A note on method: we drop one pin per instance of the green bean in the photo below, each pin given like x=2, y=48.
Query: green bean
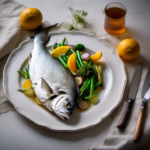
x=62, y=61
x=67, y=57
x=58, y=45
x=96, y=75
x=53, y=47
x=24, y=74
x=79, y=58
x=83, y=95
x=64, y=58
x=90, y=62
x=78, y=64
x=72, y=51
x=63, y=42
x=91, y=88
x=100, y=70
x=84, y=85
x=97, y=84
x=27, y=70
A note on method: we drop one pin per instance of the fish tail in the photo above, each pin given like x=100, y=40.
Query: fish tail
x=41, y=35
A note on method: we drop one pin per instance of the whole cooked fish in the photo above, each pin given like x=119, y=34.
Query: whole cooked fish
x=54, y=85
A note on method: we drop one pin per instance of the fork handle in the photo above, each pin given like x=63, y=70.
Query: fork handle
x=138, y=128
x=125, y=114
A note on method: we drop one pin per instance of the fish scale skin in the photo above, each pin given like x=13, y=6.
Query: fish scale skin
x=49, y=68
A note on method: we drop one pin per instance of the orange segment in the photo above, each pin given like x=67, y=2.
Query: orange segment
x=71, y=63
x=59, y=51
x=27, y=84
x=97, y=56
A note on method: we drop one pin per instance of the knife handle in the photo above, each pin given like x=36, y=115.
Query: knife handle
x=138, y=128
x=125, y=114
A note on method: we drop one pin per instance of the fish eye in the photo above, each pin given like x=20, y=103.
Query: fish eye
x=68, y=105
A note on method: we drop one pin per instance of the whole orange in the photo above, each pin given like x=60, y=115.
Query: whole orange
x=128, y=49
x=31, y=18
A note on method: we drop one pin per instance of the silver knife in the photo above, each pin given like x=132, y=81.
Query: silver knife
x=145, y=89
x=146, y=83
x=131, y=97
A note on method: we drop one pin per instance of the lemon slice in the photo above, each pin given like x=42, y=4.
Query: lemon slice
x=27, y=84
x=59, y=51
x=29, y=92
x=27, y=88
x=97, y=56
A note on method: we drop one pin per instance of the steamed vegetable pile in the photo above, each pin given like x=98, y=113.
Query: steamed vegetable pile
x=82, y=65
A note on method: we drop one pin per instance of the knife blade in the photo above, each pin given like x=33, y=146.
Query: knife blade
x=131, y=97
x=145, y=89
x=146, y=83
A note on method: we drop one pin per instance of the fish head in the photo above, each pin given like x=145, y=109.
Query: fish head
x=64, y=104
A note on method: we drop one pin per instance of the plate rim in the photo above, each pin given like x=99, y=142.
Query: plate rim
x=69, y=130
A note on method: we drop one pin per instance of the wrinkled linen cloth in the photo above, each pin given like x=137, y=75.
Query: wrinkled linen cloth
x=11, y=34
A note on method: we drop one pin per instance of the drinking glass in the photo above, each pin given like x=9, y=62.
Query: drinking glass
x=115, y=18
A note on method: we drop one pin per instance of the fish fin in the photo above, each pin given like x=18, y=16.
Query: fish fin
x=51, y=95
x=40, y=29
x=52, y=26
x=45, y=86
x=47, y=40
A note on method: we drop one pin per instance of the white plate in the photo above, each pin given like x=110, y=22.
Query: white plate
x=114, y=81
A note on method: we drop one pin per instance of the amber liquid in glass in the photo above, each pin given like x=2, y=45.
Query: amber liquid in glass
x=115, y=20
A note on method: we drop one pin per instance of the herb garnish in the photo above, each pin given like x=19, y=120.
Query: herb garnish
x=78, y=19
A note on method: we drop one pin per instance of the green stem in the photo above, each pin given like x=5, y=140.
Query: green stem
x=90, y=62
x=67, y=57
x=95, y=74
x=86, y=91
x=91, y=88
x=72, y=51
x=53, y=47
x=97, y=84
x=58, y=45
x=64, y=58
x=24, y=74
x=63, y=42
x=78, y=64
x=63, y=62
x=79, y=58
x=84, y=85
